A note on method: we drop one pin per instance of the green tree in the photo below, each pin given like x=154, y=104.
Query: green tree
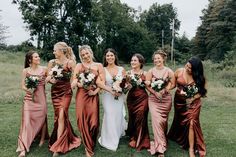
x=3, y=33
x=158, y=18
x=215, y=36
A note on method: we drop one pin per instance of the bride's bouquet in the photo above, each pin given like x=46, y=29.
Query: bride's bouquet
x=31, y=83
x=189, y=91
x=158, y=84
x=86, y=78
x=118, y=84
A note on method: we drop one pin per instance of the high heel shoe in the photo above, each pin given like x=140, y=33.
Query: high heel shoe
x=191, y=152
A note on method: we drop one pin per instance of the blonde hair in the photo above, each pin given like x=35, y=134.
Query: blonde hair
x=87, y=48
x=67, y=50
x=161, y=53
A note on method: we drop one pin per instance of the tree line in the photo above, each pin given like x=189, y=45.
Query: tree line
x=110, y=23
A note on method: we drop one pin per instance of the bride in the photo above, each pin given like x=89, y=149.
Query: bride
x=114, y=124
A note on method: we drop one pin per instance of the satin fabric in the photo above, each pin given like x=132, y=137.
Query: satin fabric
x=61, y=94
x=34, y=115
x=114, y=124
x=183, y=116
x=159, y=110
x=87, y=113
x=137, y=103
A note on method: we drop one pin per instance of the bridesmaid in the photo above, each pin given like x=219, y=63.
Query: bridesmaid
x=87, y=99
x=137, y=103
x=186, y=129
x=34, y=110
x=114, y=124
x=160, y=102
x=63, y=138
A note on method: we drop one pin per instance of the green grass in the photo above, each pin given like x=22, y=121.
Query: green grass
x=217, y=118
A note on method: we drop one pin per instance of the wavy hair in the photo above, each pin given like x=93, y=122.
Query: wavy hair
x=115, y=54
x=140, y=59
x=161, y=53
x=67, y=50
x=198, y=75
x=87, y=48
x=29, y=58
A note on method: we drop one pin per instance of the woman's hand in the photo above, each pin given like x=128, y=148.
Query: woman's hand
x=49, y=79
x=73, y=84
x=158, y=95
x=79, y=85
x=92, y=92
x=189, y=101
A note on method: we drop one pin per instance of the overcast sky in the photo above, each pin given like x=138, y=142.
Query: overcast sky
x=188, y=13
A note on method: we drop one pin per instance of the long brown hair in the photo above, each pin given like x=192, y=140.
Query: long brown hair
x=104, y=56
x=140, y=59
x=29, y=58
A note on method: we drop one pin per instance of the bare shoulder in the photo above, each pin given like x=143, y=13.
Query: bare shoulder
x=178, y=71
x=145, y=72
x=52, y=61
x=78, y=65
x=98, y=64
x=25, y=70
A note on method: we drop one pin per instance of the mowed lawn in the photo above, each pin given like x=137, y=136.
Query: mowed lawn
x=218, y=118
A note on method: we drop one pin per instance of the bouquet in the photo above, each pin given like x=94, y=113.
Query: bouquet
x=158, y=84
x=136, y=81
x=58, y=73
x=86, y=78
x=118, y=84
x=189, y=91
x=31, y=82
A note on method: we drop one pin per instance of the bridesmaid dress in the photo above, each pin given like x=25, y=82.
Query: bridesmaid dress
x=137, y=103
x=114, y=124
x=34, y=115
x=182, y=118
x=159, y=114
x=87, y=113
x=61, y=93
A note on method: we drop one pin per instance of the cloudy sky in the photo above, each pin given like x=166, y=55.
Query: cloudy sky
x=188, y=13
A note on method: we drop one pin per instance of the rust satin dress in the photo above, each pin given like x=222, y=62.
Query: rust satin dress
x=137, y=103
x=159, y=114
x=182, y=118
x=87, y=113
x=34, y=115
x=61, y=94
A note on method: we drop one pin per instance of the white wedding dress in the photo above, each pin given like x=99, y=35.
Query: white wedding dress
x=114, y=124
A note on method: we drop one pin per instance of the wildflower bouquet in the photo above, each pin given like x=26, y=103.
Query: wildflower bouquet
x=189, y=91
x=158, y=84
x=58, y=73
x=31, y=83
x=136, y=81
x=118, y=84
x=86, y=78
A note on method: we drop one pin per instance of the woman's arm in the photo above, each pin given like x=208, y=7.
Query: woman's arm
x=49, y=78
x=23, y=80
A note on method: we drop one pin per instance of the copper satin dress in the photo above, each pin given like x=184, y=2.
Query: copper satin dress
x=34, y=115
x=61, y=94
x=159, y=114
x=137, y=103
x=182, y=117
x=87, y=113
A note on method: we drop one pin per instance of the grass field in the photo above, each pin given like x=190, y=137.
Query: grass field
x=218, y=118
